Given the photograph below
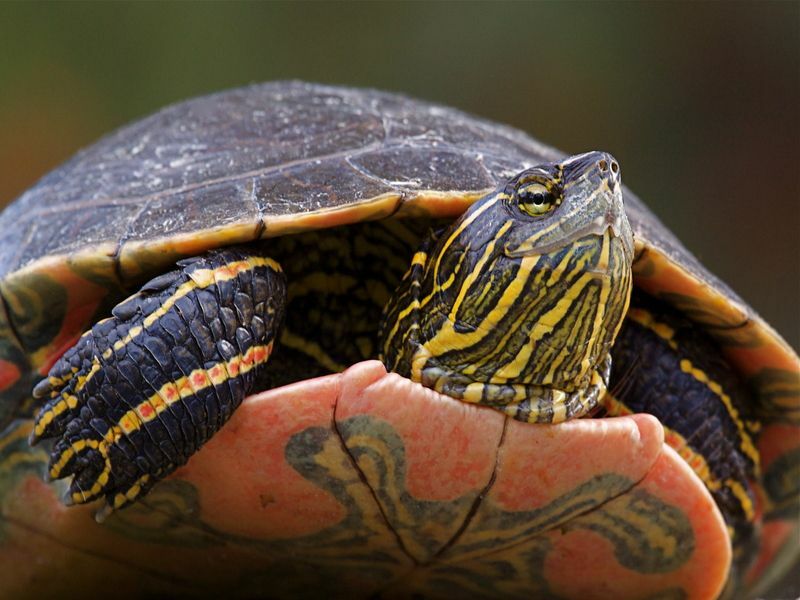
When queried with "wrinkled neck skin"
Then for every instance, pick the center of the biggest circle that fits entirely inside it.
(516, 312)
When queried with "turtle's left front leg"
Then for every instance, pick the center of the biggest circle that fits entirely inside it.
(143, 390)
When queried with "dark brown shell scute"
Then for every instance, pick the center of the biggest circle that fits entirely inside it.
(274, 149)
(242, 158)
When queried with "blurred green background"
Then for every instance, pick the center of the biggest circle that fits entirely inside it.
(699, 102)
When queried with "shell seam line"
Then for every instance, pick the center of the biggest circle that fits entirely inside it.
(169, 577)
(362, 476)
(263, 172)
(116, 262)
(473, 510)
(116, 258)
(116, 200)
(369, 174)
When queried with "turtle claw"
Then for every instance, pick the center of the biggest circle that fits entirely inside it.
(43, 388)
(103, 513)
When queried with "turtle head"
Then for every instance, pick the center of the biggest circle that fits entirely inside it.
(519, 300)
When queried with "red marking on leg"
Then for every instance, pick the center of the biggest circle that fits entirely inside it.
(9, 374)
(83, 299)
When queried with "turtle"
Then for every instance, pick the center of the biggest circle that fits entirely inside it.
(423, 353)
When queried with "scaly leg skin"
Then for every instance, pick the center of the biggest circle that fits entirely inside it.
(144, 389)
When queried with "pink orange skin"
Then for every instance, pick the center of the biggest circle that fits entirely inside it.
(428, 476)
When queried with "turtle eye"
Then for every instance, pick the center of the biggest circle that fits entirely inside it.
(536, 199)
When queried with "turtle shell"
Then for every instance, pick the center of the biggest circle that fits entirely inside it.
(278, 158)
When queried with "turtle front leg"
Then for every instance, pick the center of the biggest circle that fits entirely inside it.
(144, 389)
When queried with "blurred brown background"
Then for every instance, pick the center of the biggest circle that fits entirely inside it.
(699, 102)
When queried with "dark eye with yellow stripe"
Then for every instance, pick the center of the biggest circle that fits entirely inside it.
(536, 199)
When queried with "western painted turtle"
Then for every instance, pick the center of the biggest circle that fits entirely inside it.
(333, 226)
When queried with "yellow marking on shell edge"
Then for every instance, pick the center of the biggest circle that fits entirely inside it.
(745, 441)
(147, 410)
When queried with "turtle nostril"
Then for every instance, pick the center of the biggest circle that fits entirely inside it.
(604, 165)
(614, 167)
